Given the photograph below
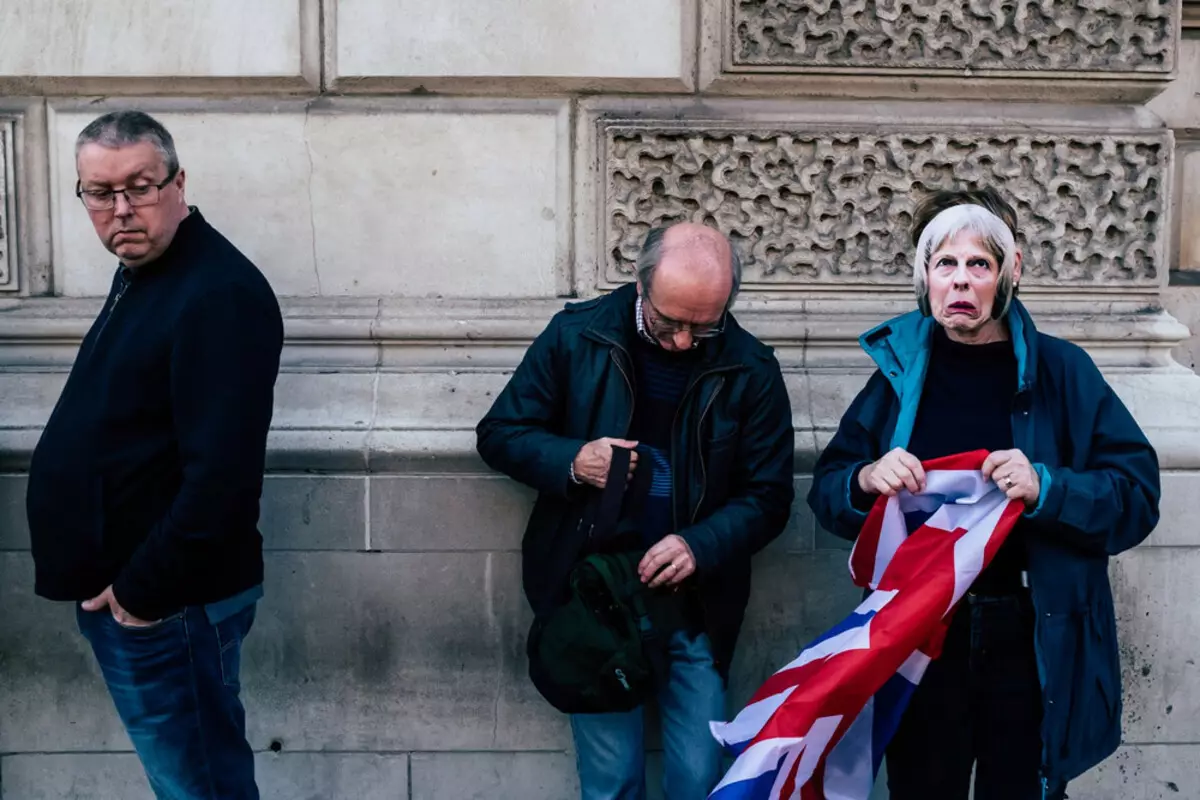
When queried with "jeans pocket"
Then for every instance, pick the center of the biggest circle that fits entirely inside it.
(230, 633)
(153, 627)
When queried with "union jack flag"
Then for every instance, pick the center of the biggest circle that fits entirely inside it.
(817, 729)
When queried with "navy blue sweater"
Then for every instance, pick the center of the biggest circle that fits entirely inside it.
(149, 472)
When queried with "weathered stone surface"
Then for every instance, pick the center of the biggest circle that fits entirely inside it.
(313, 513)
(1105, 36)
(483, 776)
(308, 208)
(51, 695)
(1144, 772)
(448, 512)
(286, 776)
(393, 652)
(207, 38)
(834, 207)
(510, 38)
(1152, 588)
(1179, 105)
(14, 527)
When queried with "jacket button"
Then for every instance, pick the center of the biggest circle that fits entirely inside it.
(893, 373)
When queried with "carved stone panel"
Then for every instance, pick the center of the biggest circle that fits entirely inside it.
(1086, 35)
(811, 207)
(8, 255)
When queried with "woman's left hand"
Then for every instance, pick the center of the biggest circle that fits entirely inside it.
(1015, 476)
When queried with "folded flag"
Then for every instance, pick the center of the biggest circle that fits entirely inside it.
(817, 729)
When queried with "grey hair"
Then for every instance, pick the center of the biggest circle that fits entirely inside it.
(992, 231)
(124, 128)
(651, 255)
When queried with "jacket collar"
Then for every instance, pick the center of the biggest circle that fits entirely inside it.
(900, 347)
(613, 323)
(189, 227)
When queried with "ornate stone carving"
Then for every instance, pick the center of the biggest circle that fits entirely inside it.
(810, 207)
(1087, 35)
(8, 266)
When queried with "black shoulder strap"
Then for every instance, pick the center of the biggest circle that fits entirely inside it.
(608, 509)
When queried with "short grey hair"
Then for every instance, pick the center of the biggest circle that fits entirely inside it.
(992, 231)
(124, 128)
(651, 255)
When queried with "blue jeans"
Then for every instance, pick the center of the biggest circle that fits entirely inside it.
(610, 748)
(175, 686)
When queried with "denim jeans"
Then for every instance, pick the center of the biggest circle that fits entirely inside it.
(610, 748)
(979, 706)
(175, 686)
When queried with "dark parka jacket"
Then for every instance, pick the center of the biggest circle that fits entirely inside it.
(733, 446)
(1099, 496)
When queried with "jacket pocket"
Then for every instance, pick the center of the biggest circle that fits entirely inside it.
(1082, 691)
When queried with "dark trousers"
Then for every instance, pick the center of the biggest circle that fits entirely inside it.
(175, 686)
(979, 705)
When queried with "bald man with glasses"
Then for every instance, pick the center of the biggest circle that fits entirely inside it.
(660, 367)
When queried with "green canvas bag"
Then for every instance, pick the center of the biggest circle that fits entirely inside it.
(601, 651)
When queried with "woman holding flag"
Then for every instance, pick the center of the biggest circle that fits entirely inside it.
(1027, 690)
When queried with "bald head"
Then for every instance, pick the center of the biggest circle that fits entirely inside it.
(689, 273)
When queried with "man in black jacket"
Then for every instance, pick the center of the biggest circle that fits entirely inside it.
(663, 368)
(144, 489)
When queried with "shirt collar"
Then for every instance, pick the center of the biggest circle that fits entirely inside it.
(640, 318)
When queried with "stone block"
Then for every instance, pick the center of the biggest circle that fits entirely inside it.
(63, 44)
(286, 776)
(14, 525)
(394, 652)
(1152, 587)
(436, 400)
(256, 194)
(1179, 105)
(448, 512)
(51, 696)
(620, 44)
(307, 209)
(1179, 509)
(315, 401)
(1144, 772)
(314, 513)
(494, 776)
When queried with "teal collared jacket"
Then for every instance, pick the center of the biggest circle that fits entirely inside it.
(1099, 496)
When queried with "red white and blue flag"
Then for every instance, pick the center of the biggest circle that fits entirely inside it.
(817, 729)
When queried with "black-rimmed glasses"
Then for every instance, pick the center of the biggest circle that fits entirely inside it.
(663, 327)
(106, 199)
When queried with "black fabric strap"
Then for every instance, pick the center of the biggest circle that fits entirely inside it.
(608, 510)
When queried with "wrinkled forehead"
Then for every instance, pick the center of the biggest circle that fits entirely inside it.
(98, 164)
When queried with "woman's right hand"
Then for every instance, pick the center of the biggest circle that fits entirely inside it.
(897, 470)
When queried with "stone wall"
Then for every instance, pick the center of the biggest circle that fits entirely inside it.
(425, 181)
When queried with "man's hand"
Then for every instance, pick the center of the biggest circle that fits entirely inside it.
(897, 470)
(673, 557)
(1015, 476)
(594, 459)
(107, 599)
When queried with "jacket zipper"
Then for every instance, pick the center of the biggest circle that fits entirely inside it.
(125, 284)
(674, 425)
(703, 468)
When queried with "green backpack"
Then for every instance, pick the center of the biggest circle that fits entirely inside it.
(600, 651)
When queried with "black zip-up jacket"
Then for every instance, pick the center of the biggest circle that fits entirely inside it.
(733, 447)
(149, 472)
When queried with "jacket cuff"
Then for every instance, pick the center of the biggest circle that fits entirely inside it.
(858, 501)
(1044, 483)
